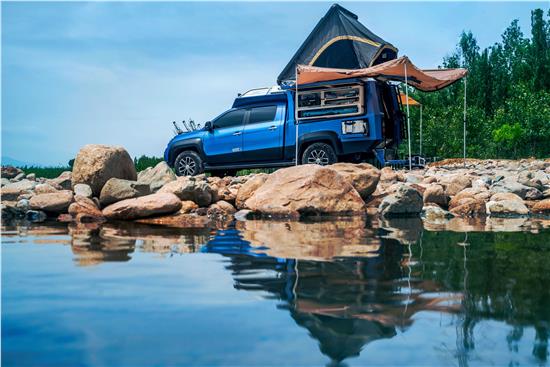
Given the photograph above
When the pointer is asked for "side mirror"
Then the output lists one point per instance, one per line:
(208, 126)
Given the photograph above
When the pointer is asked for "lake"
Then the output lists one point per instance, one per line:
(342, 291)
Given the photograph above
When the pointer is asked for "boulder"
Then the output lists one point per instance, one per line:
(31, 176)
(10, 172)
(363, 176)
(45, 189)
(220, 209)
(436, 194)
(23, 205)
(432, 213)
(469, 207)
(505, 196)
(96, 164)
(156, 177)
(19, 177)
(143, 206)
(542, 207)
(63, 181)
(12, 190)
(190, 188)
(508, 185)
(405, 201)
(304, 190)
(83, 190)
(387, 174)
(506, 208)
(116, 189)
(36, 216)
(457, 183)
(187, 206)
(84, 210)
(56, 202)
(248, 189)
(4, 181)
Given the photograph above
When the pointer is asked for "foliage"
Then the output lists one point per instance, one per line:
(508, 97)
(144, 161)
(46, 172)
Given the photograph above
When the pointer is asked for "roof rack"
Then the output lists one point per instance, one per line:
(261, 91)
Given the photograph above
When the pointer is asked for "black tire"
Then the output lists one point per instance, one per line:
(319, 153)
(188, 163)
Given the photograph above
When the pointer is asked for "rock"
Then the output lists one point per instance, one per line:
(413, 178)
(190, 188)
(96, 164)
(31, 176)
(178, 220)
(63, 181)
(4, 182)
(10, 211)
(116, 189)
(514, 187)
(406, 201)
(305, 190)
(220, 209)
(248, 189)
(542, 207)
(387, 174)
(157, 176)
(505, 196)
(10, 172)
(533, 194)
(363, 176)
(506, 208)
(457, 183)
(45, 189)
(19, 177)
(143, 206)
(243, 214)
(57, 202)
(36, 216)
(23, 205)
(436, 194)
(83, 190)
(469, 207)
(434, 213)
(187, 206)
(12, 190)
(84, 210)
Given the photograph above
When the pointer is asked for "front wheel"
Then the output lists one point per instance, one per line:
(319, 153)
(188, 163)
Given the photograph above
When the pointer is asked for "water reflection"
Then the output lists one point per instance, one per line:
(353, 281)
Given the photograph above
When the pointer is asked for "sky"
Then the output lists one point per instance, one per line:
(118, 73)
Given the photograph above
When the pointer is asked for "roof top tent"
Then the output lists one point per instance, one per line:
(339, 40)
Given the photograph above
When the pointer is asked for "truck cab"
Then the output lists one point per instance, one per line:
(271, 127)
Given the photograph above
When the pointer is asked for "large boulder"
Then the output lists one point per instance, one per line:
(144, 206)
(456, 184)
(221, 209)
(190, 188)
(405, 201)
(44, 188)
(509, 185)
(248, 189)
(63, 181)
(303, 190)
(10, 172)
(469, 207)
(542, 207)
(96, 164)
(157, 176)
(56, 202)
(117, 189)
(83, 190)
(506, 208)
(363, 177)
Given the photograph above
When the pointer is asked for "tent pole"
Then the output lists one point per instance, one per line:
(464, 132)
(420, 129)
(296, 115)
(408, 120)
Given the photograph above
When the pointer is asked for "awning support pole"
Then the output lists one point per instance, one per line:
(464, 132)
(296, 116)
(408, 119)
(420, 129)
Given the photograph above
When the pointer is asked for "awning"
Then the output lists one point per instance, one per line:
(412, 101)
(425, 80)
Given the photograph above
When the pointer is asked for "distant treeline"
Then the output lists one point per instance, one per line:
(508, 97)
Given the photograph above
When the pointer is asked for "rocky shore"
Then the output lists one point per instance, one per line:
(104, 186)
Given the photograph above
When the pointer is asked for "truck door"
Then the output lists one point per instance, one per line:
(224, 144)
(263, 133)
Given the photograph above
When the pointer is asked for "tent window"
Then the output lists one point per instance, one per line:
(330, 102)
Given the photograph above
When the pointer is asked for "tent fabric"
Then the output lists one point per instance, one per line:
(412, 101)
(424, 80)
(339, 41)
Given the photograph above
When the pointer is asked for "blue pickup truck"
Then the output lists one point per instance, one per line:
(348, 121)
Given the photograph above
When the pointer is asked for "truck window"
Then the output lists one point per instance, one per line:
(230, 119)
(262, 114)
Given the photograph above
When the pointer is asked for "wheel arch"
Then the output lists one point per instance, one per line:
(327, 137)
(187, 144)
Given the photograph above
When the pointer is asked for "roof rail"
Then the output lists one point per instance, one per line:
(260, 91)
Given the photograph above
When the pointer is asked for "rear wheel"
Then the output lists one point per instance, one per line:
(188, 163)
(319, 153)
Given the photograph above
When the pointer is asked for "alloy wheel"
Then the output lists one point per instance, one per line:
(187, 166)
(318, 156)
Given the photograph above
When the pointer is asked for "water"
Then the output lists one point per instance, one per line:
(347, 291)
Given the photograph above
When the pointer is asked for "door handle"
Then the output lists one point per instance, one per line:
(237, 133)
(273, 127)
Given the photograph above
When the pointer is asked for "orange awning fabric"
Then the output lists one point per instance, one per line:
(412, 101)
(424, 80)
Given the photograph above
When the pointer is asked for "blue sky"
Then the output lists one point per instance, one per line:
(119, 73)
